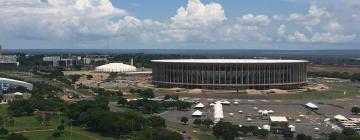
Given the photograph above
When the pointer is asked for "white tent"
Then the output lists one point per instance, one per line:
(200, 106)
(218, 112)
(266, 127)
(18, 93)
(292, 128)
(212, 104)
(197, 113)
(340, 118)
(115, 67)
(311, 106)
(224, 102)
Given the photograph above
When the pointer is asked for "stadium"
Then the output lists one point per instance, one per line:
(229, 73)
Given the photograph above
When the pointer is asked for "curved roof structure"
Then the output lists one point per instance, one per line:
(17, 83)
(229, 61)
(115, 67)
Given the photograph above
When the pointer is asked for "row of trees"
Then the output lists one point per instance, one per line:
(355, 110)
(342, 75)
(96, 117)
(146, 93)
(150, 106)
(104, 92)
(28, 107)
(229, 131)
(346, 134)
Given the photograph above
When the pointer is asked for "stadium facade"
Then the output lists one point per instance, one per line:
(229, 73)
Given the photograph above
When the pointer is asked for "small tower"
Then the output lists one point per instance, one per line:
(132, 62)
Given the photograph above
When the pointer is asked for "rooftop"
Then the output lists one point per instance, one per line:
(278, 119)
(230, 61)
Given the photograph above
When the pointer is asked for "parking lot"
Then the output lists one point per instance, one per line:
(304, 119)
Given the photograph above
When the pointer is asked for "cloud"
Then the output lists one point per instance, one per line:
(329, 37)
(89, 20)
(197, 14)
(313, 17)
(281, 30)
(250, 19)
(333, 25)
(324, 37)
(58, 18)
(298, 37)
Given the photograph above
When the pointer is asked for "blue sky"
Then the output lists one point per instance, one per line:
(180, 24)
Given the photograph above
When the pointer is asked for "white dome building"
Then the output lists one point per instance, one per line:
(115, 67)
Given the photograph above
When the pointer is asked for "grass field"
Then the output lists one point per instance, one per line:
(202, 136)
(30, 123)
(335, 91)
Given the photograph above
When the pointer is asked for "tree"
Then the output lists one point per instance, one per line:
(89, 77)
(253, 129)
(355, 110)
(74, 77)
(287, 133)
(184, 120)
(226, 130)
(147, 93)
(56, 134)
(167, 96)
(15, 136)
(60, 128)
(207, 122)
(244, 129)
(157, 134)
(262, 132)
(197, 122)
(3, 132)
(303, 137)
(336, 136)
(122, 101)
(348, 132)
(156, 121)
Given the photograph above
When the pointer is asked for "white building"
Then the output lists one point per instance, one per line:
(115, 67)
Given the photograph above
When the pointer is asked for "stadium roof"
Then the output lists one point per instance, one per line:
(115, 67)
(229, 61)
(16, 83)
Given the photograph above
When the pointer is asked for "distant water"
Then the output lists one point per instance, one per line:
(348, 53)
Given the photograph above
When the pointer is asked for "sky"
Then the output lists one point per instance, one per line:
(180, 24)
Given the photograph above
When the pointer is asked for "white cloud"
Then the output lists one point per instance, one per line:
(250, 19)
(355, 17)
(333, 25)
(328, 37)
(195, 22)
(281, 30)
(298, 37)
(197, 14)
(313, 17)
(58, 18)
(324, 37)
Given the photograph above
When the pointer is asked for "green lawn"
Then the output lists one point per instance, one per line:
(335, 91)
(31, 122)
(202, 136)
(43, 135)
